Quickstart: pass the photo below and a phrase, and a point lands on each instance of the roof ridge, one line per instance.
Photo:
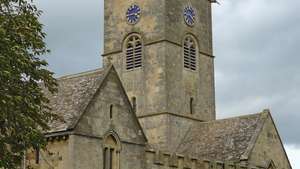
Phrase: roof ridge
(80, 74)
(234, 117)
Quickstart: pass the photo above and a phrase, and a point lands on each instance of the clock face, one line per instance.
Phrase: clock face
(133, 14)
(189, 15)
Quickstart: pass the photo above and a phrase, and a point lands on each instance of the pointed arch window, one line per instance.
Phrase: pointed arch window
(190, 53)
(111, 152)
(134, 52)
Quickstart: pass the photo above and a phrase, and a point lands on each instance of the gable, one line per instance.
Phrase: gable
(268, 147)
(74, 94)
(110, 110)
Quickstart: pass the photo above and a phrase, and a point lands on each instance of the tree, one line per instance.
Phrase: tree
(24, 113)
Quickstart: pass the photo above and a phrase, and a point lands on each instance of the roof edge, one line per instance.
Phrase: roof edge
(130, 106)
(263, 117)
(265, 114)
(279, 137)
(70, 76)
(234, 117)
(59, 133)
(105, 75)
(108, 70)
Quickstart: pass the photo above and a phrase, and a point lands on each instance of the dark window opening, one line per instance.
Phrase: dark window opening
(192, 105)
(134, 104)
(111, 158)
(104, 158)
(111, 111)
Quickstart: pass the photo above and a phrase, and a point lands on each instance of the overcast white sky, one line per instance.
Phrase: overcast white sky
(255, 42)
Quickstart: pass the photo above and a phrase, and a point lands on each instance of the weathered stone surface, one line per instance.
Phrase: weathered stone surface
(267, 146)
(252, 139)
(74, 94)
(96, 120)
(163, 84)
(226, 139)
(100, 130)
(57, 156)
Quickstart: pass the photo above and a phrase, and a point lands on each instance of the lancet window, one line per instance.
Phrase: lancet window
(134, 52)
(111, 152)
(190, 53)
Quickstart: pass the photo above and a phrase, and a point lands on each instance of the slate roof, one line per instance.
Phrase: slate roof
(227, 139)
(73, 96)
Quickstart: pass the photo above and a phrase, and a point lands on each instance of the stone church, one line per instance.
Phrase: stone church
(152, 105)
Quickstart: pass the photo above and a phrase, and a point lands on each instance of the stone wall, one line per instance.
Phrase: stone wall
(164, 160)
(99, 121)
(268, 146)
(166, 131)
(162, 84)
(87, 153)
(83, 152)
(202, 29)
(116, 27)
(96, 120)
(55, 156)
(183, 84)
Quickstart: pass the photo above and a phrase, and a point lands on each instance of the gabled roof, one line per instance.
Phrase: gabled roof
(227, 139)
(73, 96)
(75, 92)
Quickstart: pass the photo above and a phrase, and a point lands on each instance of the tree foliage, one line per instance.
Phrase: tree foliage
(24, 113)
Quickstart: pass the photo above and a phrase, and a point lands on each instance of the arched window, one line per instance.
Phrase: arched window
(190, 53)
(134, 52)
(111, 152)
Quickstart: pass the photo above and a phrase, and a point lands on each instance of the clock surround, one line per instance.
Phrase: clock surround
(189, 14)
(133, 14)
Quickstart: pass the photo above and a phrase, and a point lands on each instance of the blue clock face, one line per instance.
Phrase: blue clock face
(133, 14)
(189, 15)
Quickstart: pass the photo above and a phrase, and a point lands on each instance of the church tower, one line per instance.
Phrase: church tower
(162, 51)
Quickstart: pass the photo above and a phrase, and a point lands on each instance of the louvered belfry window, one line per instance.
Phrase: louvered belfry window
(134, 52)
(190, 53)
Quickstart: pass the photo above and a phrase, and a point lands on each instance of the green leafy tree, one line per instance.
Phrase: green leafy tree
(24, 113)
